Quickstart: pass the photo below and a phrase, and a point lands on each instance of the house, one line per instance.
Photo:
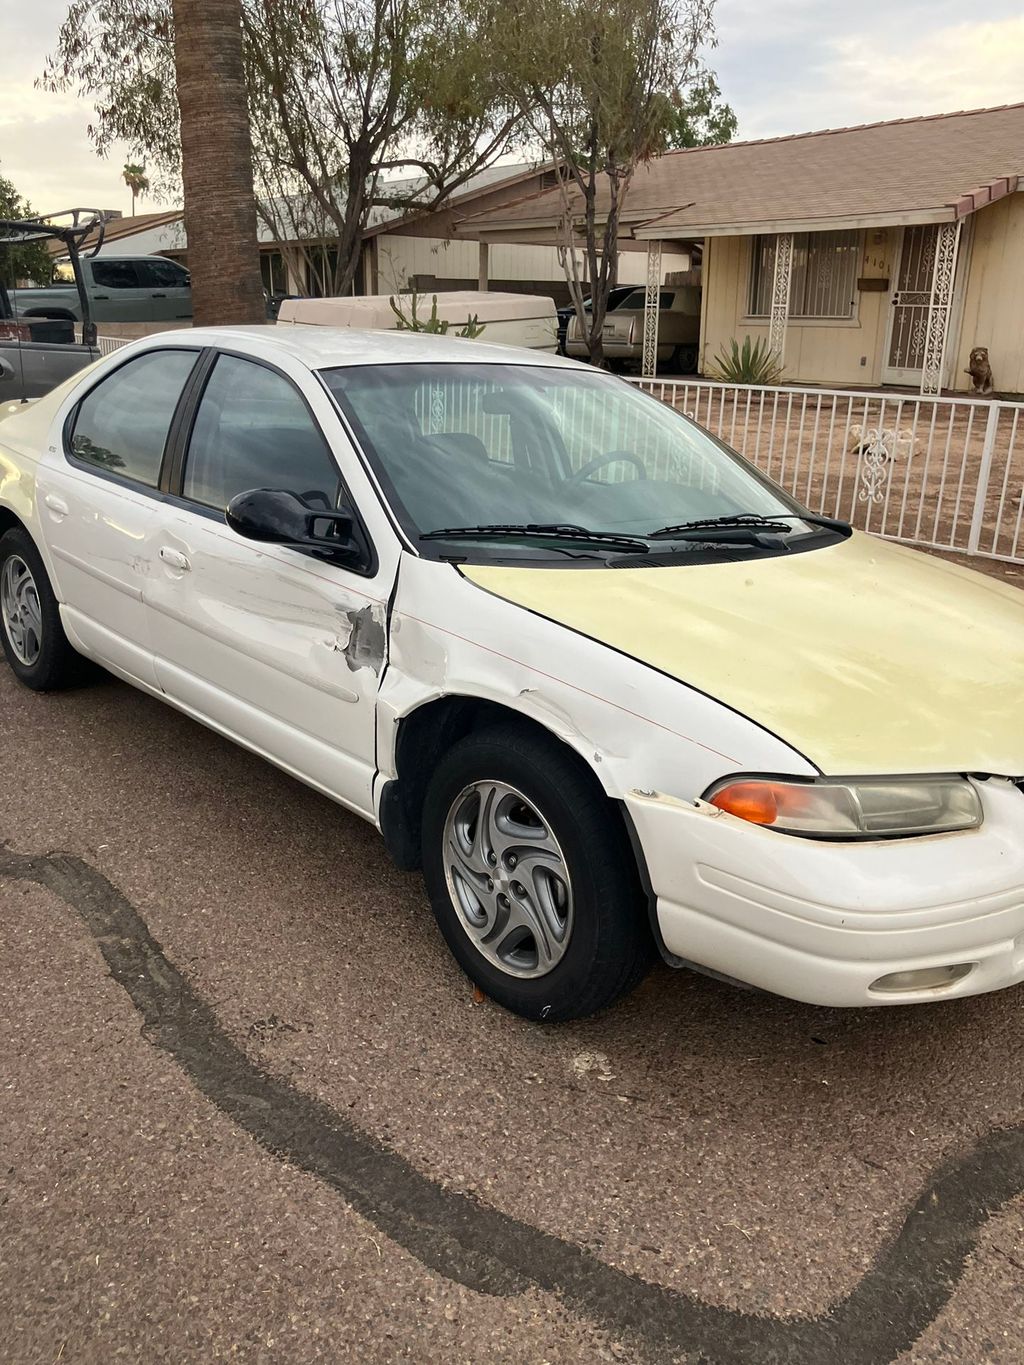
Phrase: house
(868, 256)
(417, 249)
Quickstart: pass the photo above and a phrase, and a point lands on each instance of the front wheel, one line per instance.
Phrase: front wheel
(531, 876)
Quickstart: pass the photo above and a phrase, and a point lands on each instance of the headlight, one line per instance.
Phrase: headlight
(883, 808)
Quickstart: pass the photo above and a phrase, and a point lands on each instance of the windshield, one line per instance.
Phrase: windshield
(488, 446)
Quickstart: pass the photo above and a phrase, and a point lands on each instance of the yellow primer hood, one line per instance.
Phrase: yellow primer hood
(864, 656)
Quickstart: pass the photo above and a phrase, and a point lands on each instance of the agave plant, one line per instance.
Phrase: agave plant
(746, 364)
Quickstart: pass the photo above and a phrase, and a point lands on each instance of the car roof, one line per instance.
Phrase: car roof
(322, 348)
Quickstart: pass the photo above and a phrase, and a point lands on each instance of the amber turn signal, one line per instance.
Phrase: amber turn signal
(752, 801)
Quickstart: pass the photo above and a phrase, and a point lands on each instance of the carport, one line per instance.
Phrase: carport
(550, 219)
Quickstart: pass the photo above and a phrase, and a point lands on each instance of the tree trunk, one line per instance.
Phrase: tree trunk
(216, 163)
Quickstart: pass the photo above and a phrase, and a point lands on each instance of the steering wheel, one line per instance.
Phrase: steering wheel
(599, 462)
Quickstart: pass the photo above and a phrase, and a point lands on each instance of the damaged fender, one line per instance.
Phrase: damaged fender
(635, 727)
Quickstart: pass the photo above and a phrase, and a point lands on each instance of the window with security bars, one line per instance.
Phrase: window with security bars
(824, 275)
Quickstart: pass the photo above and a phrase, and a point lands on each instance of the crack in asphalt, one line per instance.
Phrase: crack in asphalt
(489, 1251)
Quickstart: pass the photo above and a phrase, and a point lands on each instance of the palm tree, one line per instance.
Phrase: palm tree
(216, 162)
(136, 179)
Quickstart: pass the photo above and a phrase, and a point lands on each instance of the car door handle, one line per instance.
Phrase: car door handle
(174, 559)
(56, 505)
(159, 296)
(101, 296)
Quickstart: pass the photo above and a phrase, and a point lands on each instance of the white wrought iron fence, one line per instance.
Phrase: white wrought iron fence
(947, 473)
(108, 344)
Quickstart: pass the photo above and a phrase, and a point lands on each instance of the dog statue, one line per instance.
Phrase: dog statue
(980, 370)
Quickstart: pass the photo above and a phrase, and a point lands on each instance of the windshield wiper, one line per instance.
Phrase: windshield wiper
(752, 522)
(553, 531)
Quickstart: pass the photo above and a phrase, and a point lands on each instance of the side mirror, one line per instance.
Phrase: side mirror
(6, 370)
(277, 517)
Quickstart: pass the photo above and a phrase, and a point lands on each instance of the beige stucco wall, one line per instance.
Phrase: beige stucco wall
(993, 313)
(400, 258)
(838, 353)
(990, 311)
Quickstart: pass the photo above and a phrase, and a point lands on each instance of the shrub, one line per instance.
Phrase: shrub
(746, 364)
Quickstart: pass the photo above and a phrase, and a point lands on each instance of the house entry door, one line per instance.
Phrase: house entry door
(909, 301)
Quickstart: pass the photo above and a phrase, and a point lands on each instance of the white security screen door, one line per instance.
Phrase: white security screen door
(908, 313)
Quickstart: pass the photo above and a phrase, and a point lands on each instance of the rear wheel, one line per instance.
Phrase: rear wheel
(684, 359)
(31, 633)
(531, 877)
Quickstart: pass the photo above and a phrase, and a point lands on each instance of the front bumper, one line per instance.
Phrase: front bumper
(822, 921)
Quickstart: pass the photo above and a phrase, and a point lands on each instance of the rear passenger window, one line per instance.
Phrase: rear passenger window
(253, 430)
(114, 275)
(122, 424)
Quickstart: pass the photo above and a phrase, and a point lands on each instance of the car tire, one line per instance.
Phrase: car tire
(544, 813)
(684, 360)
(31, 632)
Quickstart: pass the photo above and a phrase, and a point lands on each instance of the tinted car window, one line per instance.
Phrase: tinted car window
(253, 430)
(115, 274)
(122, 423)
(638, 299)
(161, 274)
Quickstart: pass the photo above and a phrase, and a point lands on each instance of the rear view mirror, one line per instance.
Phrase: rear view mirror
(277, 517)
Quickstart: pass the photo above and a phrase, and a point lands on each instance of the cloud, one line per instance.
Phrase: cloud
(799, 65)
(44, 143)
(964, 66)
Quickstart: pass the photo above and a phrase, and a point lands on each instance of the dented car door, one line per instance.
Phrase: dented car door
(274, 646)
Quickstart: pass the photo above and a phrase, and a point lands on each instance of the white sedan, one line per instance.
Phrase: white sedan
(611, 688)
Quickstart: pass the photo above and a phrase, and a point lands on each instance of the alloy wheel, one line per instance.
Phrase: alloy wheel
(21, 610)
(508, 879)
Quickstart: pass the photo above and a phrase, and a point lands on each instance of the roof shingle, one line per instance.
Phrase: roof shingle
(920, 169)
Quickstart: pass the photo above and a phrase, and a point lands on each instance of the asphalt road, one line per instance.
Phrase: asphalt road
(250, 1110)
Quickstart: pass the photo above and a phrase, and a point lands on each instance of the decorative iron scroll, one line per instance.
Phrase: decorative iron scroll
(875, 464)
(939, 306)
(438, 407)
(652, 300)
(780, 295)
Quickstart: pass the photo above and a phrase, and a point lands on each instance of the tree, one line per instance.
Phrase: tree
(343, 95)
(346, 93)
(29, 262)
(598, 82)
(136, 179)
(216, 162)
(702, 118)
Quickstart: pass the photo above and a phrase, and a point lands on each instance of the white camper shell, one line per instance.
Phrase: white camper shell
(527, 320)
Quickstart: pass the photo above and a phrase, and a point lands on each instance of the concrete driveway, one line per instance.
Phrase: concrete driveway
(250, 1110)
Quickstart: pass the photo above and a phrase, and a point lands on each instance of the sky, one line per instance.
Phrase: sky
(786, 66)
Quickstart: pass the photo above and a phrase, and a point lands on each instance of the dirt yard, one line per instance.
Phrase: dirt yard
(904, 466)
